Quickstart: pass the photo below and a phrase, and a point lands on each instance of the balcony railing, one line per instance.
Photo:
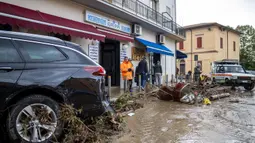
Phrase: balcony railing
(142, 10)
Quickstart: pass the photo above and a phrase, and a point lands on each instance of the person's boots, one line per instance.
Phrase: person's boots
(131, 91)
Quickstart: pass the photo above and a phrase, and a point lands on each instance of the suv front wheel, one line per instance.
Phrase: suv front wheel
(249, 86)
(34, 119)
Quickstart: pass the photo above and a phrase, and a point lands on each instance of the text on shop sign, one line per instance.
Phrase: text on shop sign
(107, 22)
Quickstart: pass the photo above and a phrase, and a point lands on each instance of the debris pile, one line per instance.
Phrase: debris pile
(127, 103)
(193, 93)
(97, 129)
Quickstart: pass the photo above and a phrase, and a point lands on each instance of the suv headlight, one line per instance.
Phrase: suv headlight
(252, 78)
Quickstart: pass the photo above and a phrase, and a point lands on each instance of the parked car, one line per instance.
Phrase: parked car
(234, 75)
(37, 74)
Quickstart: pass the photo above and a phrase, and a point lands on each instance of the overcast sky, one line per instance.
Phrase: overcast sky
(226, 12)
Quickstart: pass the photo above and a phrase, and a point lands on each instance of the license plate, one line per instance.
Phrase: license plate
(244, 81)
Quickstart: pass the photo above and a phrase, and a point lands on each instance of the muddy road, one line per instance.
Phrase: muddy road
(228, 120)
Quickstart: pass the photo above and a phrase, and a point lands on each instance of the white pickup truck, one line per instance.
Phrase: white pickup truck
(232, 74)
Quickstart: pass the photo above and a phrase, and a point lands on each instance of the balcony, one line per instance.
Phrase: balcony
(137, 12)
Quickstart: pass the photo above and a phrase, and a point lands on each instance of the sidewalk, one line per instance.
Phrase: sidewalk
(117, 92)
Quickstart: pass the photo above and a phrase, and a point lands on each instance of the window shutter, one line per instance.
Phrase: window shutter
(221, 43)
(181, 45)
(199, 42)
(234, 46)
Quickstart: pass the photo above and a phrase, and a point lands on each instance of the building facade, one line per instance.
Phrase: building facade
(105, 29)
(206, 43)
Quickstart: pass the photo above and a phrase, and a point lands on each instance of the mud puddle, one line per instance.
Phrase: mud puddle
(173, 122)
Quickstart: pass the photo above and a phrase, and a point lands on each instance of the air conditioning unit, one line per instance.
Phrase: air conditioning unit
(161, 39)
(137, 30)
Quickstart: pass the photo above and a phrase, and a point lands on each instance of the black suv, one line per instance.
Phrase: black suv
(37, 74)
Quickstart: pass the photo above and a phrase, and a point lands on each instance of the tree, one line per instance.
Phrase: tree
(247, 46)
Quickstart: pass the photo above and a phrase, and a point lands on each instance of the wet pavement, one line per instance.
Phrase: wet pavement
(228, 120)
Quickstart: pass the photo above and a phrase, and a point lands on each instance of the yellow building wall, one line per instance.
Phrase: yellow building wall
(231, 53)
(206, 58)
(211, 50)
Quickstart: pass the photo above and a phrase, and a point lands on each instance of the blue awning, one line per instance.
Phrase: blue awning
(155, 48)
(180, 55)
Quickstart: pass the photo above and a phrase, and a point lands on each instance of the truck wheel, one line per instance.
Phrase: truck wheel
(249, 87)
(34, 119)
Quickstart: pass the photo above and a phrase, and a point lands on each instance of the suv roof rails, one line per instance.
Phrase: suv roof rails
(29, 35)
(228, 61)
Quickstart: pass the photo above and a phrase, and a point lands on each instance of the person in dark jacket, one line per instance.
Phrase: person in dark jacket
(158, 73)
(136, 76)
(143, 70)
(197, 72)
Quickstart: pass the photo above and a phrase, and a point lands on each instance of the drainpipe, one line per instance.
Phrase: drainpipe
(227, 44)
(175, 18)
(165, 64)
(175, 56)
(191, 45)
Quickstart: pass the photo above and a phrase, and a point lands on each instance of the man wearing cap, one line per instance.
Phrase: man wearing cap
(127, 69)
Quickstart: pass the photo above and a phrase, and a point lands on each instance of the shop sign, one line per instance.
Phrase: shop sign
(123, 54)
(107, 22)
(93, 52)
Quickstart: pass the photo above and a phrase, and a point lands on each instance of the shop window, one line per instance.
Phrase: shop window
(234, 46)
(199, 42)
(221, 43)
(181, 46)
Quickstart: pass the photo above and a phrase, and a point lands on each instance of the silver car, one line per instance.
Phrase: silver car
(234, 75)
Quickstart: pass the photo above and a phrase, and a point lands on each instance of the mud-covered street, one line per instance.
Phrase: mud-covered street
(228, 120)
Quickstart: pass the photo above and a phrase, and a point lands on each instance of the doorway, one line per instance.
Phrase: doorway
(182, 67)
(5, 27)
(156, 58)
(110, 60)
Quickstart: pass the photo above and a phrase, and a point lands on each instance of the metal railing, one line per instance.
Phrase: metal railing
(142, 10)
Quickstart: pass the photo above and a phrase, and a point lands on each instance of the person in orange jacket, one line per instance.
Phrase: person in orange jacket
(127, 69)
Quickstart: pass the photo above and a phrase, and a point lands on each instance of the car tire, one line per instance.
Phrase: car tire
(249, 87)
(28, 112)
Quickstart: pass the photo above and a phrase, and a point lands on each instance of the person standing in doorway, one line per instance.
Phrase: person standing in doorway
(143, 71)
(126, 68)
(158, 73)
